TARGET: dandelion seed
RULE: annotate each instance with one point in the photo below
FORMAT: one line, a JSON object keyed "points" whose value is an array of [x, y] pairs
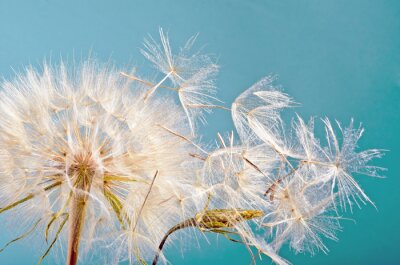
{"points": [[343, 160], [192, 75], [297, 214], [256, 114]]}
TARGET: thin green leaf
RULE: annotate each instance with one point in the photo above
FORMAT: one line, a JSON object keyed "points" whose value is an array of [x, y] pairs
{"points": [[14, 204], [54, 218], [117, 206], [57, 215], [54, 240], [27, 198]]}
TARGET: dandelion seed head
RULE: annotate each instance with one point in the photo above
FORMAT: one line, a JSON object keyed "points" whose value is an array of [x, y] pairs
{"points": [[89, 134]]}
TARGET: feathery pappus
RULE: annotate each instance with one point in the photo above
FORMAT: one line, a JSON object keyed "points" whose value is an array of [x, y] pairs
{"points": [[80, 151], [95, 160]]}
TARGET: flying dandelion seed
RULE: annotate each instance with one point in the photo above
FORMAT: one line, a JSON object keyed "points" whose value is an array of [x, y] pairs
{"points": [[192, 73], [96, 160]]}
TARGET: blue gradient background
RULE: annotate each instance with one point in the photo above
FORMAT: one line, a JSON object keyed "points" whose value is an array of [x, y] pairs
{"points": [[337, 58]]}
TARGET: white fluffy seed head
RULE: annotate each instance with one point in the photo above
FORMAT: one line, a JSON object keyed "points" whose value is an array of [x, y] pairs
{"points": [[58, 125]]}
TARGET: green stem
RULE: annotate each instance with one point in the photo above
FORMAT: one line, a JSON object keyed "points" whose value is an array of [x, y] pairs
{"points": [[188, 223]]}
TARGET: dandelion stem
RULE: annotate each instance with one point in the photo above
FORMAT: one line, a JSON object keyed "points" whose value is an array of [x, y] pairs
{"points": [[188, 223], [78, 206], [214, 221]]}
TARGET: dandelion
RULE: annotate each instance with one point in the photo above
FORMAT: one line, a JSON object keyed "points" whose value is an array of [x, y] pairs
{"points": [[93, 159], [80, 152]]}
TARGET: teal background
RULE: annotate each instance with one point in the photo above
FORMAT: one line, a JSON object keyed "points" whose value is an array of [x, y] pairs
{"points": [[337, 58]]}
